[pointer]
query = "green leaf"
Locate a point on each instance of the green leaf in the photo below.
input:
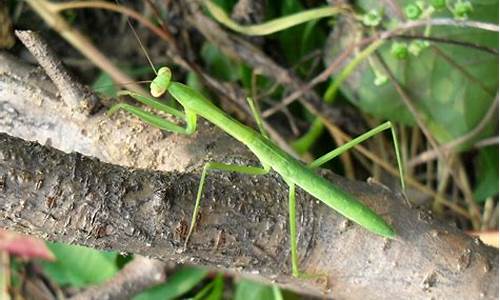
(105, 85)
(299, 40)
(193, 81)
(79, 266)
(217, 289)
(180, 283)
(251, 290)
(246, 76)
(226, 5)
(451, 86)
(123, 259)
(487, 174)
(16, 277)
(218, 63)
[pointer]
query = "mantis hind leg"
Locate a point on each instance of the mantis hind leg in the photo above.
(189, 117)
(222, 167)
(352, 143)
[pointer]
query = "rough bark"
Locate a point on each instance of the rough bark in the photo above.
(243, 229)
(31, 109)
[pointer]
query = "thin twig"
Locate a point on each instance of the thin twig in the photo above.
(417, 116)
(139, 274)
(450, 146)
(445, 22)
(234, 46)
(486, 142)
(74, 94)
(163, 34)
(475, 46)
(323, 76)
(50, 14)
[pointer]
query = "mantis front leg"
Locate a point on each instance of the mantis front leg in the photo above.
(189, 117)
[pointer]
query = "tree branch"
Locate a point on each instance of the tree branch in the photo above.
(243, 225)
(74, 199)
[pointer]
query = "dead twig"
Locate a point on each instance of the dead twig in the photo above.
(452, 145)
(75, 95)
(51, 16)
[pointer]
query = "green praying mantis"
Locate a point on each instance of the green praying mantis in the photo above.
(294, 172)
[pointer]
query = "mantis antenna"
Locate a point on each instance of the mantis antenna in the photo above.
(140, 42)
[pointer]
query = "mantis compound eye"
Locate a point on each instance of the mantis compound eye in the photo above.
(160, 84)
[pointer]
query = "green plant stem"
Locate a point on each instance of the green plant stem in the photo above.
(303, 144)
(274, 25)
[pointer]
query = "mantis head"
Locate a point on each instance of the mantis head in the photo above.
(160, 84)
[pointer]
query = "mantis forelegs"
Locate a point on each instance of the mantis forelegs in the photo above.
(222, 167)
(188, 116)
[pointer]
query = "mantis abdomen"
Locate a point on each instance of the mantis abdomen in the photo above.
(297, 173)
